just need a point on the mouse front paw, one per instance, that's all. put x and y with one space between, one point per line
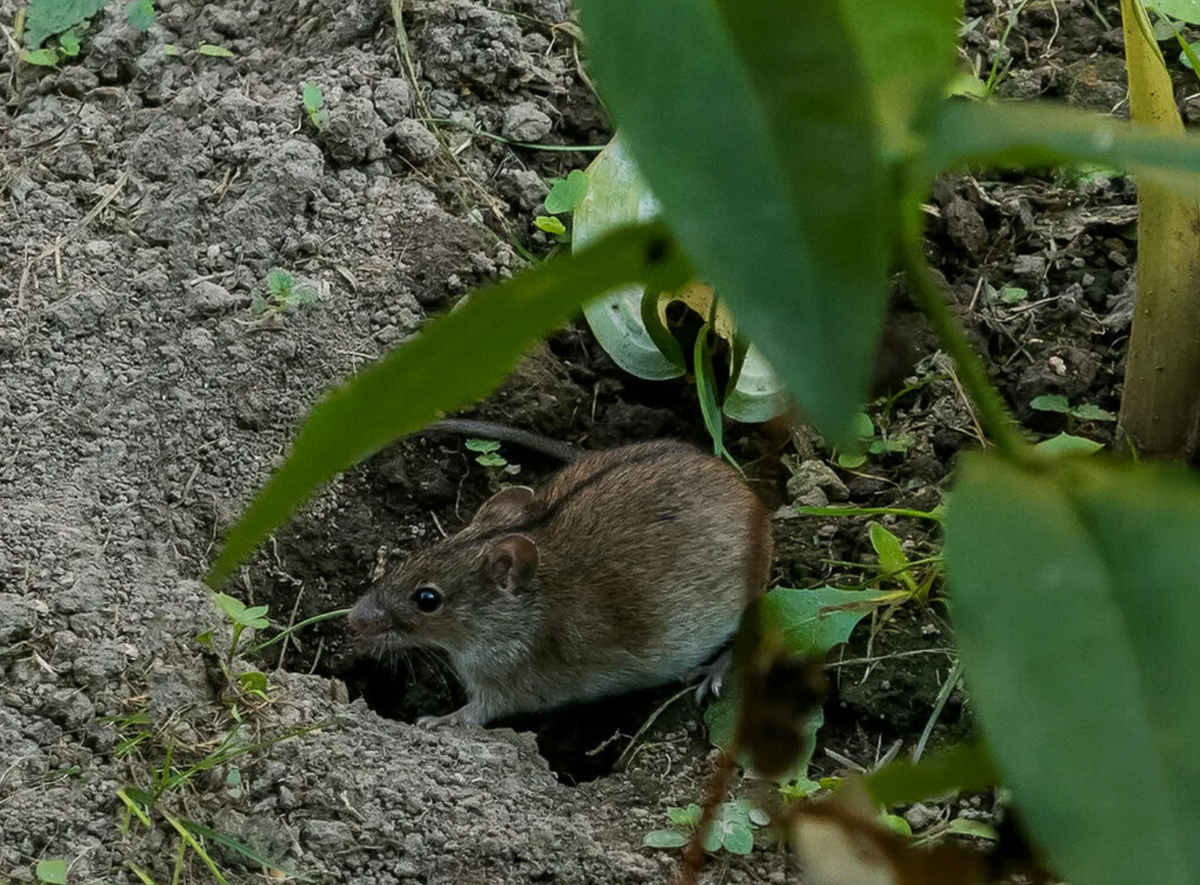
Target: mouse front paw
466 715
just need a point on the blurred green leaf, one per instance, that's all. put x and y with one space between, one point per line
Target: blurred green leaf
213 50
739 839
911 73
1013 294
664 839
964 826
1092 412
52 872
1050 402
41 57
140 14
892 560
961 767
1065 444
739 112
1184 10
44 18
550 225
453 361
1075 603
1027 135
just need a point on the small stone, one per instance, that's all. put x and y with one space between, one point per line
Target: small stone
70 709
17 617
326 837
816 476
921 816
353 133
393 100
524 122
1029 267
414 142
209 299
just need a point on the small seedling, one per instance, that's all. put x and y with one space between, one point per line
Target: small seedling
283 294
882 444
732 828
487 452
1056 402
1013 294
45 18
141 14
314 105
242 618
566 195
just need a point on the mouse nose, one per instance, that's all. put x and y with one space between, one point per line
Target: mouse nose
368 617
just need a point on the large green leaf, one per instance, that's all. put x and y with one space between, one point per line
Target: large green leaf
1076 605
908 52
1030 135
747 120
455 360
44 18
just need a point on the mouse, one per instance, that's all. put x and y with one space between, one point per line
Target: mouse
630 569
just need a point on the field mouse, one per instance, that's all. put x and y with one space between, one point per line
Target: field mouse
630 569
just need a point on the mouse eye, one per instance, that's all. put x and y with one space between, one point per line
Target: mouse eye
427 598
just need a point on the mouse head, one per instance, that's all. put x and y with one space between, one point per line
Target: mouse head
459 593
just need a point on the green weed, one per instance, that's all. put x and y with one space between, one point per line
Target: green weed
314 105
282 294
732 829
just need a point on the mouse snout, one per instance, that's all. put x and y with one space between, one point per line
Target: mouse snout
368 617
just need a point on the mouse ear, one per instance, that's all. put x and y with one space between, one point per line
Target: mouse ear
512 562
507 504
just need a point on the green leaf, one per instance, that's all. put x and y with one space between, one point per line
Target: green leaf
69 43
624 321
140 14
664 839
1050 402
864 428
280 282
1075 604
42 57
706 391
52 872
961 767
684 817
170 49
454 360
1092 412
1064 444
739 112
1026 135
739 839
253 682
567 193
44 18
491 460
907 51
313 98
213 50
715 837
481 445
851 460
1184 10
1013 294
892 560
896 824
964 826
550 225
233 607
814 621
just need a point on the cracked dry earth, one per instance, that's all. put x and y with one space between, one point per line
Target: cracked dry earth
142 402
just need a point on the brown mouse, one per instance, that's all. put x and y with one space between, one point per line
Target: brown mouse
630 569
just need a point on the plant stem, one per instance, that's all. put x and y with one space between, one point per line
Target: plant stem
994 416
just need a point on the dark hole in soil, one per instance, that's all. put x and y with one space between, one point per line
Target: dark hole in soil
580 742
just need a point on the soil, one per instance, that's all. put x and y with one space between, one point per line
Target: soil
144 401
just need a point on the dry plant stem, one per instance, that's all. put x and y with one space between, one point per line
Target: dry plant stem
993 414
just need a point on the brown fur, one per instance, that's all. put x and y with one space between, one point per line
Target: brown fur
645 558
